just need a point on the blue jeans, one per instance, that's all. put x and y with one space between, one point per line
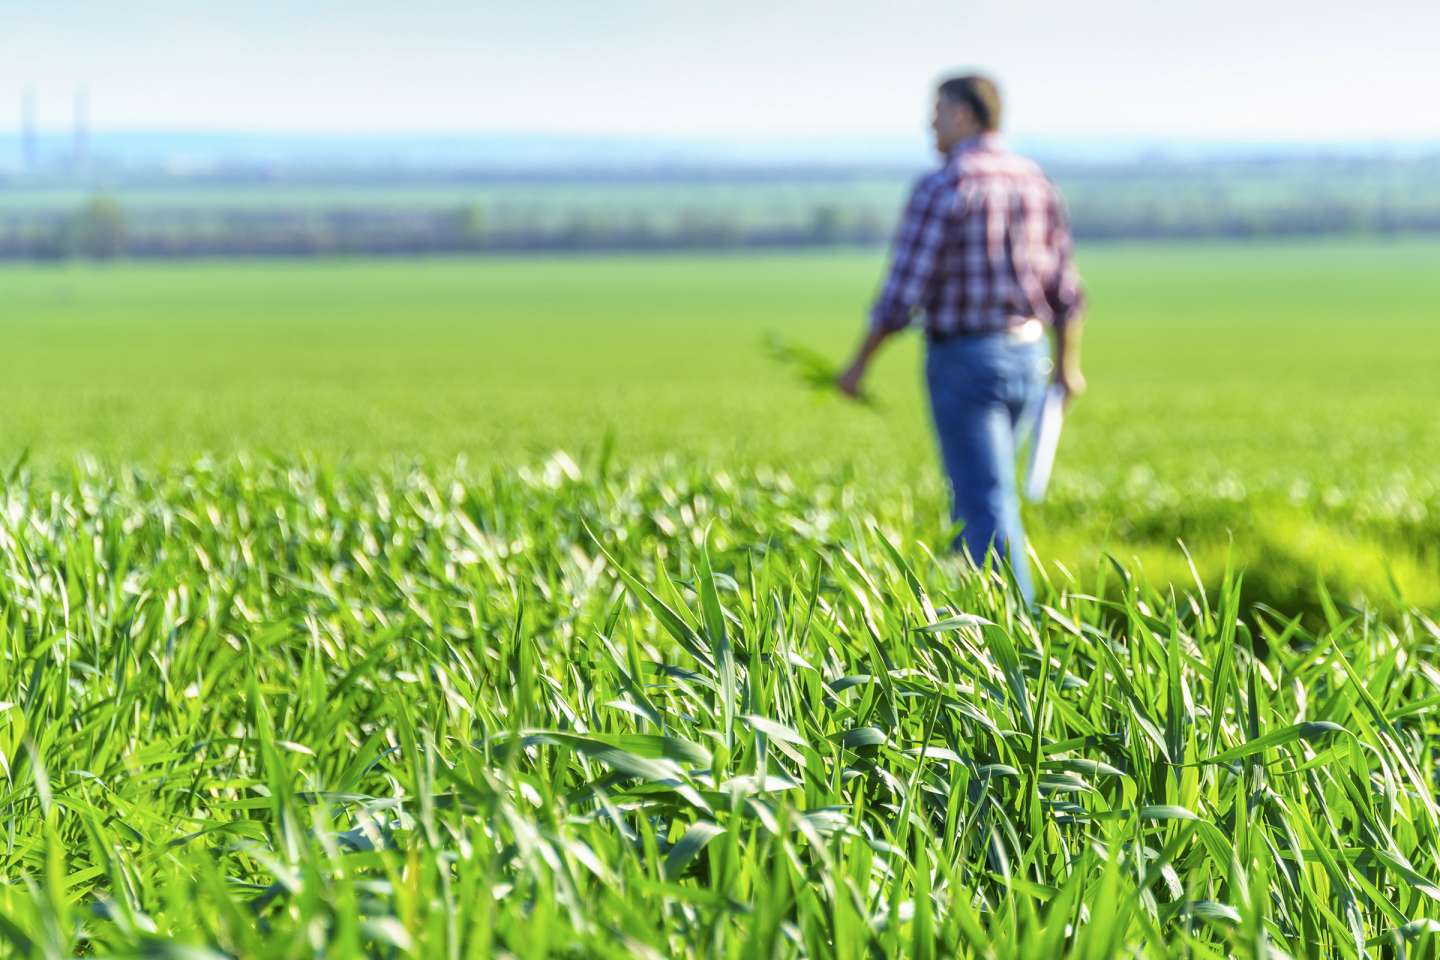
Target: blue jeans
981 390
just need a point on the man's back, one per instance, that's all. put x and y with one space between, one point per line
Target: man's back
983 246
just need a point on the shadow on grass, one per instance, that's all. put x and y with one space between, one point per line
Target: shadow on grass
1292 566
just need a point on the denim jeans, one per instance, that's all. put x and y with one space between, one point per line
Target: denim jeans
982 389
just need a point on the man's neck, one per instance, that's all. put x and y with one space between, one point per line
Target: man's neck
985 140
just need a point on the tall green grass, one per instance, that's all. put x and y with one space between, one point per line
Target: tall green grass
271 708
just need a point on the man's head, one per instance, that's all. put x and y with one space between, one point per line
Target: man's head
965 106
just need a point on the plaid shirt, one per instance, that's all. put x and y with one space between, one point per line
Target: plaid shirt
983 246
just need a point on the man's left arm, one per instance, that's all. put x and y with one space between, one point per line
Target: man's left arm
912 271
1066 299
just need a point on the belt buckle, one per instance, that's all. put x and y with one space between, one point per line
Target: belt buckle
1031 331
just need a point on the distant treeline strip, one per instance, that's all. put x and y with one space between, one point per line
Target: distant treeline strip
102 229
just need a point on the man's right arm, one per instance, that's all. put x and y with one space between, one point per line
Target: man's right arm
913 259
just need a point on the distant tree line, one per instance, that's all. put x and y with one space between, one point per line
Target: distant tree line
101 228
1318 218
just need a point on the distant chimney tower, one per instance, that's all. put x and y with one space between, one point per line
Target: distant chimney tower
80 158
29 158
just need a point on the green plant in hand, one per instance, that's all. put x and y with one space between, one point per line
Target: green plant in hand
815 370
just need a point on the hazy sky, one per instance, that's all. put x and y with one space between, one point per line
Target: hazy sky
1247 69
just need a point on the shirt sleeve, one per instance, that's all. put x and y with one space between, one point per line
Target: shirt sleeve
1062 290
913 258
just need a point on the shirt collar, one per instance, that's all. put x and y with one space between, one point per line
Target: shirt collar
981 141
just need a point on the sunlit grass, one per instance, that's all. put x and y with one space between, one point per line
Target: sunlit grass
684 709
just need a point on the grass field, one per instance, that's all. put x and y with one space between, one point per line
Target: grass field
531 608
1280 395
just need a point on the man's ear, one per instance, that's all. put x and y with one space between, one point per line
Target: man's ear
966 116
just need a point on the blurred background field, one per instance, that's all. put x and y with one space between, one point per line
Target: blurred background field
1276 396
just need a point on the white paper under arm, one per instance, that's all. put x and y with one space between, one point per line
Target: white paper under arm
1044 441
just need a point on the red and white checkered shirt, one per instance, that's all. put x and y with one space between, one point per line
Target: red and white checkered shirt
983 246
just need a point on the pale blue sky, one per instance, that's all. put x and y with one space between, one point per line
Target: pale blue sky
1231 69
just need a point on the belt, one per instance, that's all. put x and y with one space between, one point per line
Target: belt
1026 331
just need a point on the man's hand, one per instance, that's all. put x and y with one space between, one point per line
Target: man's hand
849 381
1071 380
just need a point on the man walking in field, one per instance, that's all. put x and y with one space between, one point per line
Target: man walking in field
983 250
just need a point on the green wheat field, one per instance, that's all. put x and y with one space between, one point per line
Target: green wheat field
531 608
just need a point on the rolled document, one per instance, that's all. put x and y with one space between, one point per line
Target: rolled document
1043 442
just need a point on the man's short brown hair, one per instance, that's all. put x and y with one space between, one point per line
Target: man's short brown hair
979 93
